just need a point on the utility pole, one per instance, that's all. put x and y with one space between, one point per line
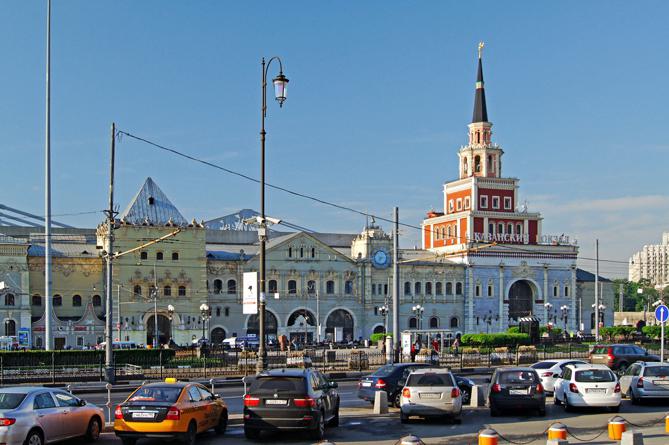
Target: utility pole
318 317
621 298
597 290
48 329
118 311
109 358
396 285
155 309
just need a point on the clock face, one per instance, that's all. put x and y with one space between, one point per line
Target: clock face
380 258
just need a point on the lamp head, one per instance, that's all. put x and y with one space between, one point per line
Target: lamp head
280 88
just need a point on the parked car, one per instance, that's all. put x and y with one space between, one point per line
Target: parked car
430 392
36 416
516 388
169 410
465 386
619 357
290 399
645 380
388 378
550 370
588 385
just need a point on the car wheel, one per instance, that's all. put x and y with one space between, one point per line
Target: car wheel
567 406
335 419
556 401
93 430
128 441
404 418
319 432
397 400
466 397
189 437
34 438
251 434
222 423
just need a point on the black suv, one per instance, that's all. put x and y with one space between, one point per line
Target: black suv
290 399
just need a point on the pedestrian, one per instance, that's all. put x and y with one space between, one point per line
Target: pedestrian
456 344
435 345
413 352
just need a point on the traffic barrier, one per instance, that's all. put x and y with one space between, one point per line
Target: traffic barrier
381 402
488 437
617 426
474 396
557 442
632 438
557 431
666 423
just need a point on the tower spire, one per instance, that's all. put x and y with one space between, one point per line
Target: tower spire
480 109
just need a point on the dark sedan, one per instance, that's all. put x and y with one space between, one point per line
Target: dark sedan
290 399
516 388
388 378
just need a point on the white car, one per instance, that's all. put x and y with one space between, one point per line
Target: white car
550 370
586 385
646 380
431 392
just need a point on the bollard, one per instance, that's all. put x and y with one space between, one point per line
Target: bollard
617 426
557 442
211 382
557 431
632 438
381 402
108 386
411 440
488 437
666 423
474 396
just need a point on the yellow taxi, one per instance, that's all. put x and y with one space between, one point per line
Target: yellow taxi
170 409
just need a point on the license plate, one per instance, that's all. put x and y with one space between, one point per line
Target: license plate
661 382
366 384
429 395
276 402
518 391
595 390
143 415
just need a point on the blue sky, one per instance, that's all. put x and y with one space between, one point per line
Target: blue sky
379 99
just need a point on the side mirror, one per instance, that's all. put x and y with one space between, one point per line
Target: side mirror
216 397
81 402
556 376
333 384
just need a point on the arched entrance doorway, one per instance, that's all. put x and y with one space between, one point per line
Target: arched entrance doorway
253 326
164 329
521 299
339 326
217 336
302 326
378 329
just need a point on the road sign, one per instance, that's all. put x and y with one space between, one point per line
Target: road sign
662 313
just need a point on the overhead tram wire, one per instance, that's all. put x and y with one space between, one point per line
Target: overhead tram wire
320 200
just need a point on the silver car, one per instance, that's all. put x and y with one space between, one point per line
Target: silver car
430 392
645 380
550 370
37 416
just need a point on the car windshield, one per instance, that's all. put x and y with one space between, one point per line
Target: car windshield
543 365
10 400
384 371
156 394
594 376
430 380
600 350
517 377
278 384
656 371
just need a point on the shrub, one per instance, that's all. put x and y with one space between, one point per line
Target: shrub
513 330
652 331
374 338
492 340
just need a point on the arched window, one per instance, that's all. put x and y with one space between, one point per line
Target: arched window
311 287
330 287
519 229
10 327
292 287
477 290
449 288
37 300
57 300
407 288
144 256
273 287
566 291
159 256
489 163
218 286
434 323
413 322
290 252
97 301
500 228
448 232
439 288
428 288
458 288
348 287
137 291
182 291
417 288
76 300
454 322
477 159
175 256
490 290
232 286
509 229
218 311
167 291
227 311
301 252
555 291
491 228
9 300
313 252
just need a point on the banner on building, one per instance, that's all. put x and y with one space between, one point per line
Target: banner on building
250 293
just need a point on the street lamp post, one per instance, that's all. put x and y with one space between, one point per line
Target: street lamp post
383 310
170 315
549 311
153 291
280 86
418 311
205 314
565 314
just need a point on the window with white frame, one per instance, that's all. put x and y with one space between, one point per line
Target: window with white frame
507 203
519 229
509 229
500 228
566 291
450 205
458 204
495 202
490 290
483 201
467 203
491 228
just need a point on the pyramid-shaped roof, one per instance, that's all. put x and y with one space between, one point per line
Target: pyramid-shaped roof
150 205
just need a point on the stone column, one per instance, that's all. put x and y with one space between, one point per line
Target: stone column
574 309
545 299
502 326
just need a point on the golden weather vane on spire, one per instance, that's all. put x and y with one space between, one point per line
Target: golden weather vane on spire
481 45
